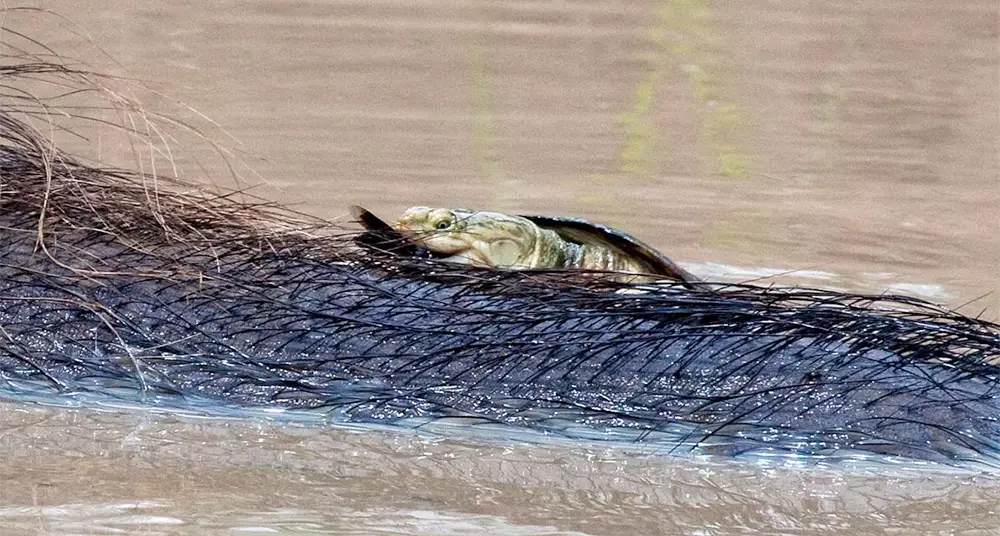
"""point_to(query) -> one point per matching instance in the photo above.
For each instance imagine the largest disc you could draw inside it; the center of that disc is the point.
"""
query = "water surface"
(841, 144)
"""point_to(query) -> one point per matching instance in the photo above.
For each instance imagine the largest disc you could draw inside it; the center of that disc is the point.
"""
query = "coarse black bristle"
(122, 285)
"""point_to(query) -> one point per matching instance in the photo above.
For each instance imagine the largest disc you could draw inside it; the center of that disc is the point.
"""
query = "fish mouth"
(424, 252)
(421, 251)
(414, 238)
(438, 256)
(459, 257)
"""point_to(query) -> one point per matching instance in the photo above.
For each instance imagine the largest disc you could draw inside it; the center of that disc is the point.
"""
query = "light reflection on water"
(162, 474)
(834, 144)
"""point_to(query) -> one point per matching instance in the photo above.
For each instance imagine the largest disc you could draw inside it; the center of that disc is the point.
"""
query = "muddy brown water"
(853, 144)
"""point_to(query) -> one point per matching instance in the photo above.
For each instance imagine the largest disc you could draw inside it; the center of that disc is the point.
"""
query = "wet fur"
(114, 289)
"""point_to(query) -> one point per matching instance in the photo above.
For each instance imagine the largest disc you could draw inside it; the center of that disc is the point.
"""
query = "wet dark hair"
(119, 286)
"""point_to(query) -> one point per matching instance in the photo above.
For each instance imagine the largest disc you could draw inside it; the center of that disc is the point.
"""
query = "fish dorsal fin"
(584, 232)
(369, 220)
(380, 235)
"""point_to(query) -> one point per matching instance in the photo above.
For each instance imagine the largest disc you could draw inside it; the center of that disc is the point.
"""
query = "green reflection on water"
(505, 188)
(684, 39)
(638, 125)
(685, 44)
(482, 111)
